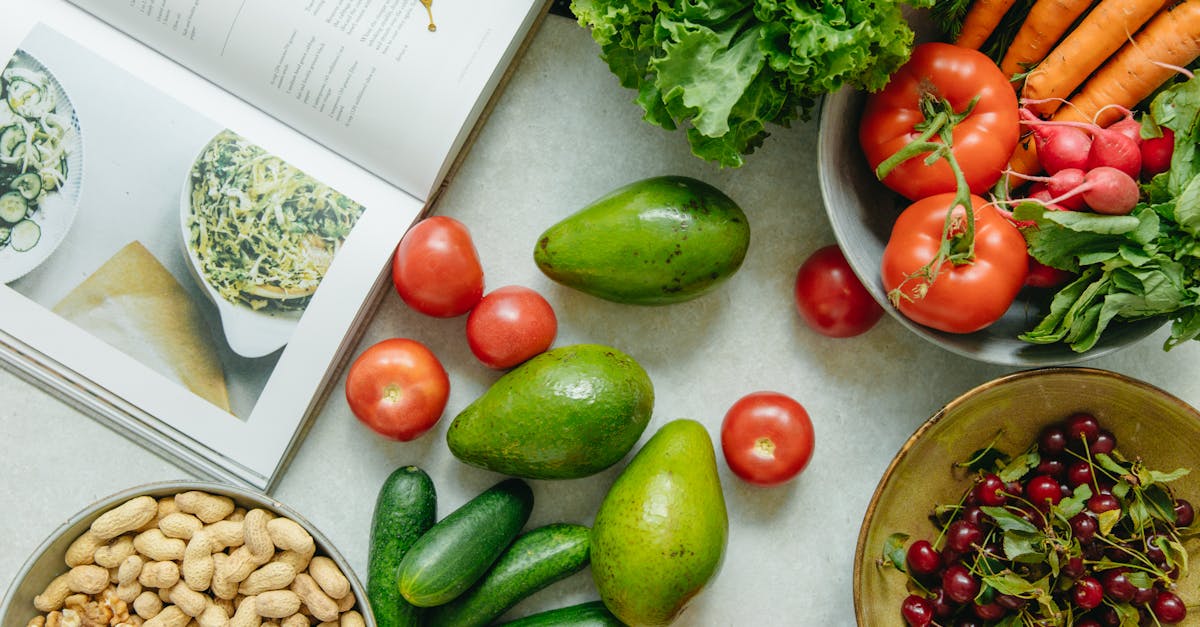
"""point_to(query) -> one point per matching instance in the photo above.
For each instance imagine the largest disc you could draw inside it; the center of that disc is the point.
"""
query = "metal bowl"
(1147, 422)
(861, 211)
(48, 560)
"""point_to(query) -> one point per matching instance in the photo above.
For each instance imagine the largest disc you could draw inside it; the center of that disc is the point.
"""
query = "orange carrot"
(1171, 38)
(1042, 28)
(981, 19)
(1023, 161)
(1097, 37)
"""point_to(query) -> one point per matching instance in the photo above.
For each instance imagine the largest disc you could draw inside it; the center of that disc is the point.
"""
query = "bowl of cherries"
(1056, 496)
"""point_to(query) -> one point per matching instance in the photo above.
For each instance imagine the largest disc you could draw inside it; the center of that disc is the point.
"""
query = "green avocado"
(654, 242)
(660, 534)
(567, 413)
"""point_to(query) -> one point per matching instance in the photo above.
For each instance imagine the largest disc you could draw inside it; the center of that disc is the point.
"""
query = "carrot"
(1023, 161)
(1096, 38)
(981, 19)
(1171, 38)
(1042, 28)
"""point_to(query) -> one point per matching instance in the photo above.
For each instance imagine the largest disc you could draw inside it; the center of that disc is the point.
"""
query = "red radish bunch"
(1094, 167)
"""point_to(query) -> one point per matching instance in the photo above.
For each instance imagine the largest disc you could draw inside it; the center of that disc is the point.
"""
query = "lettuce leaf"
(727, 70)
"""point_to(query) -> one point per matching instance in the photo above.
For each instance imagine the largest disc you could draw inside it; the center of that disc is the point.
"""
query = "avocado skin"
(567, 413)
(659, 537)
(656, 241)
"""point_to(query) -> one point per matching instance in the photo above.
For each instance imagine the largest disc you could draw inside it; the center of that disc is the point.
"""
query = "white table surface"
(563, 134)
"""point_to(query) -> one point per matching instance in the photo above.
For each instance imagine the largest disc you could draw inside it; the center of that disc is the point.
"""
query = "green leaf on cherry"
(1019, 466)
(1072, 505)
(1008, 521)
(1108, 463)
(1108, 520)
(894, 552)
(1010, 583)
(1024, 547)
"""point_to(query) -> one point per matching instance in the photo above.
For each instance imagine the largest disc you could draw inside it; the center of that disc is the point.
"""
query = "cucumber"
(590, 614)
(25, 235)
(405, 508)
(13, 207)
(455, 553)
(29, 185)
(534, 560)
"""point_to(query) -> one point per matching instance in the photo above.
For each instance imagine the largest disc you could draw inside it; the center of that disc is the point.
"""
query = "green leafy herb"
(894, 551)
(726, 69)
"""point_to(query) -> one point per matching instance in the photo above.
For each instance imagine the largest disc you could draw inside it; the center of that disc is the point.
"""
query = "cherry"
(1154, 551)
(1088, 622)
(1102, 502)
(1052, 440)
(942, 607)
(974, 515)
(922, 558)
(990, 491)
(1184, 514)
(1052, 467)
(1082, 427)
(1108, 616)
(1042, 489)
(1083, 527)
(1169, 608)
(1073, 568)
(1142, 596)
(1010, 602)
(1117, 586)
(959, 584)
(1014, 488)
(1087, 593)
(989, 611)
(1105, 443)
(917, 611)
(1079, 473)
(962, 535)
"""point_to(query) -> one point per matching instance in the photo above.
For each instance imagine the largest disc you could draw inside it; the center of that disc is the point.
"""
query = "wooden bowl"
(1147, 422)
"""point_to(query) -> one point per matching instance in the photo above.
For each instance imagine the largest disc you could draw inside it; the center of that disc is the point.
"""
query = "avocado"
(567, 413)
(660, 534)
(657, 241)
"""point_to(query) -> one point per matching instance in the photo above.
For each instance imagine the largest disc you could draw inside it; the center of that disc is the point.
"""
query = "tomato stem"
(957, 248)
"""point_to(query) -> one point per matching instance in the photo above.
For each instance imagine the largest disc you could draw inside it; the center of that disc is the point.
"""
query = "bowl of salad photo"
(41, 165)
(1054, 496)
(1077, 242)
(259, 235)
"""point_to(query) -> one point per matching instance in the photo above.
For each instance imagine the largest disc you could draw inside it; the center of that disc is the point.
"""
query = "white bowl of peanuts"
(181, 553)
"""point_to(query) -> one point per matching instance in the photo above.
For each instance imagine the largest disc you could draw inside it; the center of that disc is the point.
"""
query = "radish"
(1107, 147)
(1156, 153)
(1128, 127)
(1106, 190)
(1058, 147)
(1056, 185)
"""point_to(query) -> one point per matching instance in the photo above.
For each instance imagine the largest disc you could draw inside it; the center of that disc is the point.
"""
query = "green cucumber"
(25, 235)
(13, 207)
(404, 510)
(533, 561)
(456, 551)
(590, 614)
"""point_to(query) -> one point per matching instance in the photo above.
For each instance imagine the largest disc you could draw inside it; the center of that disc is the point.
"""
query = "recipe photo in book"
(167, 236)
(347, 73)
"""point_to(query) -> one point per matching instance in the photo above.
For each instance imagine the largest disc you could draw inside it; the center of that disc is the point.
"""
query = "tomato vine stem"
(957, 248)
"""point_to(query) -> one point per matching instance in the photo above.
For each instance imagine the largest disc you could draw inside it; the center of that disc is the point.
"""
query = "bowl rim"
(960, 399)
(240, 495)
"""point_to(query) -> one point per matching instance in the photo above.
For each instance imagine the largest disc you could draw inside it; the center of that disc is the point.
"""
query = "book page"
(393, 85)
(108, 294)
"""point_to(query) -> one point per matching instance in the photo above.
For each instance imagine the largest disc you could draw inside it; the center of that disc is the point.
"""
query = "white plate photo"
(56, 210)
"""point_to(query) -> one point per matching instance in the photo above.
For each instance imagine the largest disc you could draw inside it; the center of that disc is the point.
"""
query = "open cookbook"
(199, 198)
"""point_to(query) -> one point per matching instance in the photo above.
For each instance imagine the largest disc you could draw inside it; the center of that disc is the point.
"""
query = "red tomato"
(436, 268)
(767, 438)
(398, 388)
(963, 298)
(830, 297)
(510, 325)
(983, 141)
